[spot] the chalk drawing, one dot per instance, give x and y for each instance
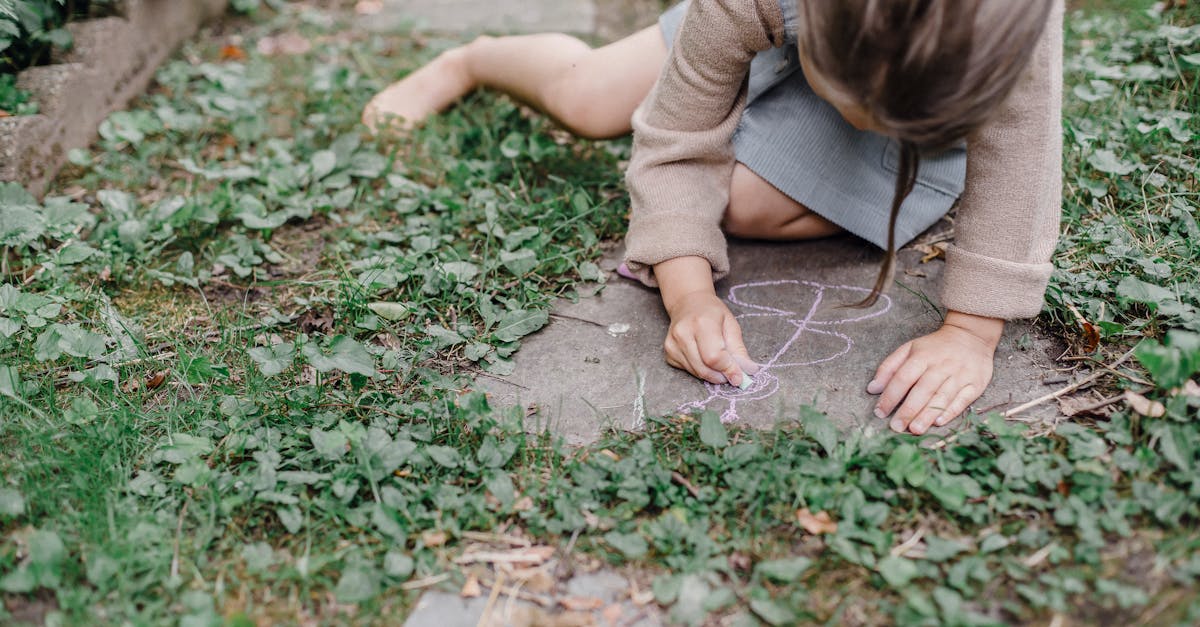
(766, 381)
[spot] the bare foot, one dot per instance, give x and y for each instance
(425, 92)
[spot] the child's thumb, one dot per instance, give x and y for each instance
(737, 347)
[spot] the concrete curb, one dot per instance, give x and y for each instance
(113, 60)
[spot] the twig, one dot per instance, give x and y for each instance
(178, 533)
(1100, 404)
(517, 592)
(1070, 388)
(578, 319)
(497, 538)
(1040, 556)
(482, 373)
(682, 480)
(901, 549)
(417, 584)
(485, 618)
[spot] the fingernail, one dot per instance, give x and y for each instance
(880, 414)
(719, 379)
(874, 387)
(747, 365)
(897, 425)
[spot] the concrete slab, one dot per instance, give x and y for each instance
(599, 363)
(596, 599)
(496, 16)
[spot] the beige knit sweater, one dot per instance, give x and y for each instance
(683, 159)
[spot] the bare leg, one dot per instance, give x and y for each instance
(591, 92)
(760, 211)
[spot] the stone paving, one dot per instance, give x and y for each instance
(599, 363)
(603, 19)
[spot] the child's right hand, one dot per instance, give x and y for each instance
(706, 340)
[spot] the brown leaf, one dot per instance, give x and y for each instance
(317, 321)
(471, 589)
(581, 604)
(1091, 337)
(1144, 406)
(535, 579)
(816, 524)
(931, 252)
(5, 114)
(523, 504)
(231, 52)
(368, 7)
(156, 379)
(612, 614)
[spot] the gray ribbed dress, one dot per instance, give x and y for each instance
(800, 144)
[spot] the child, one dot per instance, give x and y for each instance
(796, 119)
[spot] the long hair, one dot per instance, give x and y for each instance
(928, 71)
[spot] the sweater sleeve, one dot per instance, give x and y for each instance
(683, 158)
(1009, 213)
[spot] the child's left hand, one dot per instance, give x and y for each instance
(938, 375)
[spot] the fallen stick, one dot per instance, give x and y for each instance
(1088, 380)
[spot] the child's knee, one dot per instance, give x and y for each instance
(757, 210)
(575, 101)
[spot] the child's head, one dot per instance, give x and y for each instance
(926, 72)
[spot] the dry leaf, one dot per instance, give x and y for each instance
(1144, 406)
(581, 604)
(816, 524)
(232, 53)
(156, 379)
(641, 598)
(368, 7)
(535, 579)
(1074, 405)
(523, 504)
(471, 589)
(931, 252)
(5, 114)
(434, 538)
(920, 274)
(612, 614)
(1190, 388)
(1091, 337)
(740, 562)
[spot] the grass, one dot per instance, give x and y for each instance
(237, 353)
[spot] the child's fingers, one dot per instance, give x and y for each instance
(898, 386)
(887, 369)
(918, 397)
(967, 395)
(684, 354)
(938, 405)
(715, 353)
(737, 346)
(697, 365)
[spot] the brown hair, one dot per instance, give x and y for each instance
(928, 71)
